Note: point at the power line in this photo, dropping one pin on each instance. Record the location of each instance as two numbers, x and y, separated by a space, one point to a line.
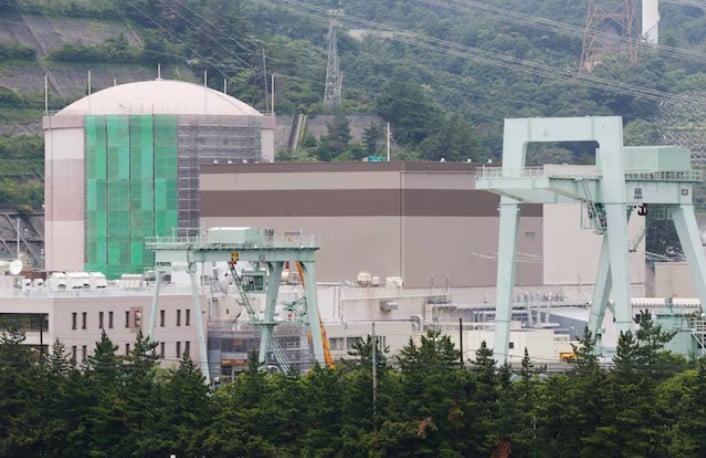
505 15
491 58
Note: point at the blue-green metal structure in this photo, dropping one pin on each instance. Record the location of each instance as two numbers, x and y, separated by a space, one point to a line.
651 179
241 244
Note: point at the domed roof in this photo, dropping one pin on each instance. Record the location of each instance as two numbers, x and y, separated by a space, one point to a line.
159 97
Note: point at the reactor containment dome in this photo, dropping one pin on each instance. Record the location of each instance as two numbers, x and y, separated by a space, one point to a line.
123 164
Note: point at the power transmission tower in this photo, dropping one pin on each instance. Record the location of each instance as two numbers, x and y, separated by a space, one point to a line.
612 29
334 77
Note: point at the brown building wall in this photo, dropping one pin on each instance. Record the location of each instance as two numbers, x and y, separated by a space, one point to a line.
423 222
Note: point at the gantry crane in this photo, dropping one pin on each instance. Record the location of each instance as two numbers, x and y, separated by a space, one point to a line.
658 179
242 244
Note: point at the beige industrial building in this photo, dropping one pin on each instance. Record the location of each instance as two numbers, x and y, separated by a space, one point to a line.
424 223
77 317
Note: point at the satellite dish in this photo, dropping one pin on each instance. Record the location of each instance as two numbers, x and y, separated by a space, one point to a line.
16 267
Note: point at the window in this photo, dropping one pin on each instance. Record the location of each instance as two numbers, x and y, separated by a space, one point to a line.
187 348
161 318
100 320
138 318
187 318
178 349
511 345
73 353
127 348
178 317
336 343
110 320
161 350
83 320
351 341
127 318
84 350
73 322
530 235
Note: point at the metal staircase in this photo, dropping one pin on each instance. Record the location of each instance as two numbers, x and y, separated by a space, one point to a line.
277 350
698 331
596 211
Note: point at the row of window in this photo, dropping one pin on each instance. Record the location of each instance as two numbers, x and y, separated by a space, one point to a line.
136 316
347 343
180 351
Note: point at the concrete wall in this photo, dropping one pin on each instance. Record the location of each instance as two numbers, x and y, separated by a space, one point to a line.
673 279
64 193
316 126
571 252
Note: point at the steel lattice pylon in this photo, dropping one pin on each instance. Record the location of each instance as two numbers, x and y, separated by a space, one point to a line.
611 29
334 77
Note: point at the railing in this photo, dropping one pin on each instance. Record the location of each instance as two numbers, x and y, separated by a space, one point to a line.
664 175
553 171
203 243
587 172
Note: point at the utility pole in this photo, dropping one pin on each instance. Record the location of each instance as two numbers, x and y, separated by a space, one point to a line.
334 77
272 91
460 338
375 371
18 237
387 142
264 76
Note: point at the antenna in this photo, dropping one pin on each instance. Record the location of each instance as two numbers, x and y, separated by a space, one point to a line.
46 94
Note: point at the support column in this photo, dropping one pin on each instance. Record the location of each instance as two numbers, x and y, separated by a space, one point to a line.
617 233
601 292
155 305
268 322
507 248
688 232
312 310
203 352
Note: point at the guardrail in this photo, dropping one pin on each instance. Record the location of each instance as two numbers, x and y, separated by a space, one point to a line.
540 172
588 173
203 243
664 175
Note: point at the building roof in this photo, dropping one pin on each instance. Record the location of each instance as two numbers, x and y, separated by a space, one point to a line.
159 97
358 166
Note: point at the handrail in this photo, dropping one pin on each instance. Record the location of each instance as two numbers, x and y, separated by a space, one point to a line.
587 172
203 243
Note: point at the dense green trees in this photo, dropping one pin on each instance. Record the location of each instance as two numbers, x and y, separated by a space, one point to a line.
645 403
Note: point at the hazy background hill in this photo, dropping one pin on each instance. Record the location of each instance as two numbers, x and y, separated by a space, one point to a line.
444 73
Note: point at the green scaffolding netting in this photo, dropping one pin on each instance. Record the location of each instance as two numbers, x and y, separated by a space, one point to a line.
131 189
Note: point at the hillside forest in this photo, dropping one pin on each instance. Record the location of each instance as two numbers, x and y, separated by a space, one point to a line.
425 401
443 73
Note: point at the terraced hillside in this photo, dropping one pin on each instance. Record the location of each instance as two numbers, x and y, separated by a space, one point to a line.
22 75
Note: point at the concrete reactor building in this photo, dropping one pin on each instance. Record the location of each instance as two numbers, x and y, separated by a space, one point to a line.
123 163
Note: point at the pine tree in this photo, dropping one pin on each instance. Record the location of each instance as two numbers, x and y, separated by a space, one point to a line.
187 408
